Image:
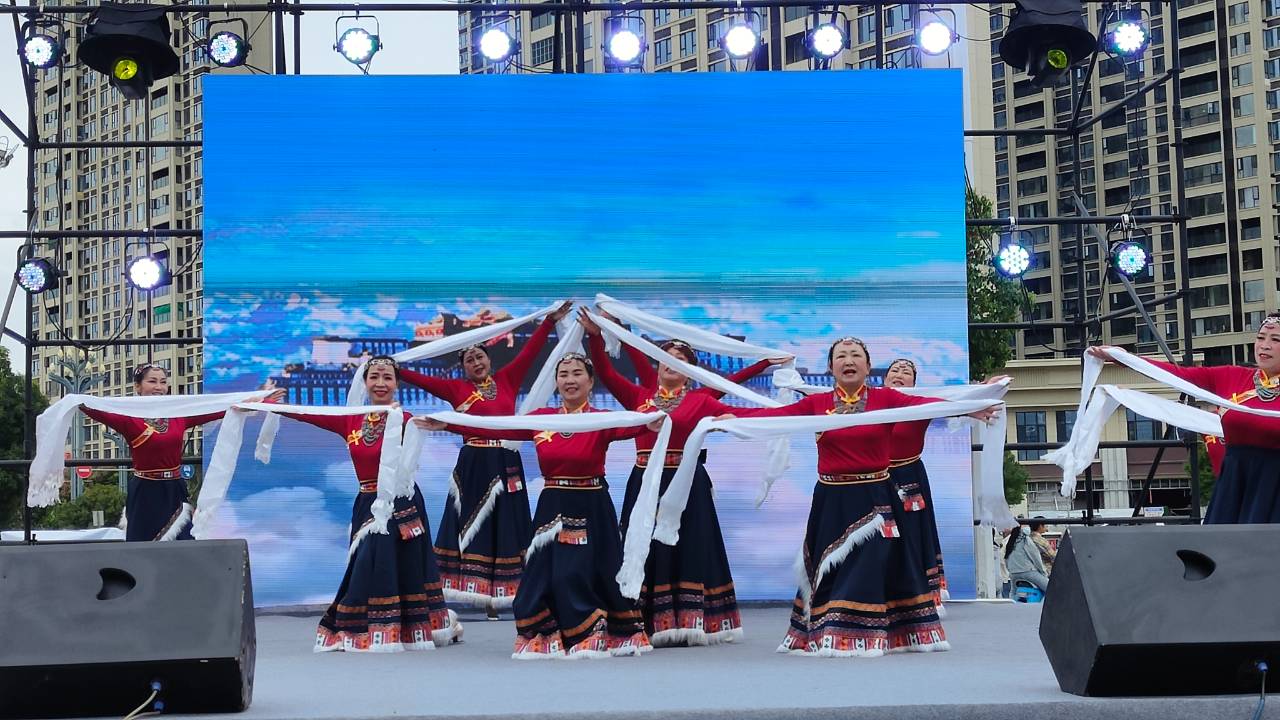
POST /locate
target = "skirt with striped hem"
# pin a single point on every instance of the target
(485, 528)
(569, 604)
(862, 593)
(391, 596)
(157, 510)
(1247, 490)
(919, 522)
(688, 595)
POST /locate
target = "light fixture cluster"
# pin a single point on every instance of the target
(145, 272)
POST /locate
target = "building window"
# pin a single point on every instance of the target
(1250, 197)
(1246, 136)
(1242, 75)
(1254, 291)
(1242, 106)
(1142, 428)
(1251, 259)
(1238, 14)
(1271, 68)
(541, 20)
(1239, 44)
(1251, 229)
(543, 51)
(1065, 420)
(688, 43)
(1031, 429)
(662, 51)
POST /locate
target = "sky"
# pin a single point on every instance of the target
(415, 43)
(639, 186)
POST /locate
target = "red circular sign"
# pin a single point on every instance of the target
(84, 472)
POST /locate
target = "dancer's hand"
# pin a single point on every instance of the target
(277, 394)
(997, 378)
(587, 323)
(656, 425)
(559, 313)
(781, 360)
(1100, 352)
(727, 416)
(986, 415)
(429, 424)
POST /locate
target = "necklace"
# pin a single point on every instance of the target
(581, 407)
(846, 404)
(157, 424)
(665, 400)
(1267, 389)
(371, 428)
(488, 389)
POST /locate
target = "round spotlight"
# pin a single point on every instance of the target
(125, 68)
(1130, 259)
(496, 45)
(826, 41)
(227, 49)
(1127, 38)
(147, 273)
(358, 46)
(740, 41)
(625, 46)
(34, 275)
(1013, 260)
(935, 37)
(41, 51)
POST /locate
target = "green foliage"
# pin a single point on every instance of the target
(11, 428)
(1206, 474)
(991, 297)
(1015, 479)
(104, 495)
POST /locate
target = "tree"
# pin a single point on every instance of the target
(104, 495)
(1206, 474)
(1015, 479)
(11, 430)
(992, 298)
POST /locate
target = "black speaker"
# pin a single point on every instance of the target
(1187, 610)
(92, 628)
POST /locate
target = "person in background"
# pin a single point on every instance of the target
(1047, 553)
(1023, 559)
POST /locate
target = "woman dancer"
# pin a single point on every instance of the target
(157, 506)
(486, 524)
(390, 598)
(687, 596)
(569, 603)
(862, 592)
(1246, 490)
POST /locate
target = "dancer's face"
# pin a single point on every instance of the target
(849, 364)
(476, 364)
(574, 383)
(900, 374)
(380, 383)
(1266, 348)
(155, 381)
(667, 376)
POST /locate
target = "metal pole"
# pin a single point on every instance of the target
(879, 37)
(297, 37)
(1081, 302)
(28, 402)
(278, 19)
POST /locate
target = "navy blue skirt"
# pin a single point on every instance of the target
(863, 592)
(569, 603)
(157, 510)
(391, 596)
(919, 523)
(488, 511)
(688, 596)
(1248, 489)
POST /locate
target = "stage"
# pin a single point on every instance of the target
(996, 669)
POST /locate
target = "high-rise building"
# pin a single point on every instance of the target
(1127, 166)
(108, 189)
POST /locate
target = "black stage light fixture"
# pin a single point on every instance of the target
(1046, 38)
(130, 45)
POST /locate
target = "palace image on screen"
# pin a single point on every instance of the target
(349, 216)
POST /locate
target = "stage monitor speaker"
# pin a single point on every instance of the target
(90, 628)
(1176, 610)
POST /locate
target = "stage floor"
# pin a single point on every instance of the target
(996, 669)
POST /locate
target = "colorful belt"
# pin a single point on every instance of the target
(482, 442)
(573, 483)
(903, 463)
(369, 486)
(672, 458)
(854, 479)
(170, 474)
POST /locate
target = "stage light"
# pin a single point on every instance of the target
(1128, 36)
(1012, 260)
(624, 46)
(496, 45)
(826, 40)
(227, 49)
(147, 273)
(740, 41)
(1130, 258)
(35, 275)
(41, 51)
(358, 46)
(130, 45)
(1046, 38)
(935, 38)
